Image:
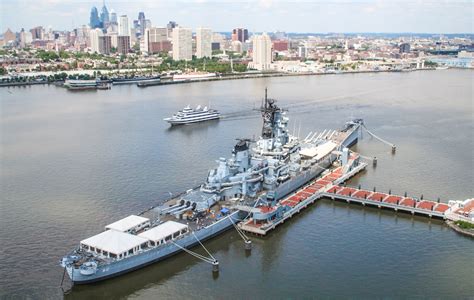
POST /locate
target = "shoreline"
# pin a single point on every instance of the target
(459, 230)
(239, 76)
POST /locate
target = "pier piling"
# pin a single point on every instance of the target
(215, 267)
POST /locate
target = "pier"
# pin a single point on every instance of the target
(330, 186)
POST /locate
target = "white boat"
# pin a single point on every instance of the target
(193, 115)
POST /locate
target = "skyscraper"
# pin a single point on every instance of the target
(141, 22)
(37, 33)
(104, 16)
(182, 43)
(203, 42)
(240, 34)
(113, 17)
(123, 26)
(262, 52)
(94, 21)
(94, 39)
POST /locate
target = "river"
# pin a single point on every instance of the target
(72, 162)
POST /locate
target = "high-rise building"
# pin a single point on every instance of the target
(104, 16)
(94, 21)
(240, 34)
(37, 33)
(123, 26)
(113, 17)
(182, 43)
(105, 44)
(25, 38)
(302, 51)
(156, 40)
(141, 23)
(404, 48)
(94, 39)
(203, 42)
(262, 52)
(123, 44)
(171, 25)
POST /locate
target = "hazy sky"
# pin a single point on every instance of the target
(432, 16)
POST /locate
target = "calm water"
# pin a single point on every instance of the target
(73, 162)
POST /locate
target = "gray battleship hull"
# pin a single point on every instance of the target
(157, 254)
(300, 180)
(153, 255)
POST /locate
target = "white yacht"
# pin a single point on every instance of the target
(192, 115)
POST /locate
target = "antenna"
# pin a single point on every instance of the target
(299, 129)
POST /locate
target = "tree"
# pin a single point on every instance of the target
(3, 71)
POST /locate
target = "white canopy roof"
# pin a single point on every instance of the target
(319, 151)
(127, 223)
(161, 231)
(115, 242)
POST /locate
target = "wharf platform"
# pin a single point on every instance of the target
(329, 186)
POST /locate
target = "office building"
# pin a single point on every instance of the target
(404, 48)
(262, 52)
(104, 16)
(123, 44)
(94, 20)
(25, 38)
(240, 34)
(203, 42)
(37, 33)
(155, 40)
(123, 26)
(113, 17)
(105, 44)
(182, 43)
(94, 40)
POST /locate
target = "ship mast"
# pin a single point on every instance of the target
(268, 110)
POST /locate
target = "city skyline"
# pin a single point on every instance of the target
(265, 15)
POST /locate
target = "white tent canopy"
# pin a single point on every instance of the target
(114, 242)
(129, 223)
(162, 231)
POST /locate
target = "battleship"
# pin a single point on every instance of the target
(260, 171)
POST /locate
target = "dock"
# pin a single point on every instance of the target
(330, 186)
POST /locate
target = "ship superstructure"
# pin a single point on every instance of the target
(262, 171)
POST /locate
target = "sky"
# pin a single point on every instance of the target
(316, 16)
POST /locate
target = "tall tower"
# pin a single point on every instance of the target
(182, 43)
(124, 30)
(104, 15)
(262, 52)
(94, 21)
(141, 22)
(203, 42)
